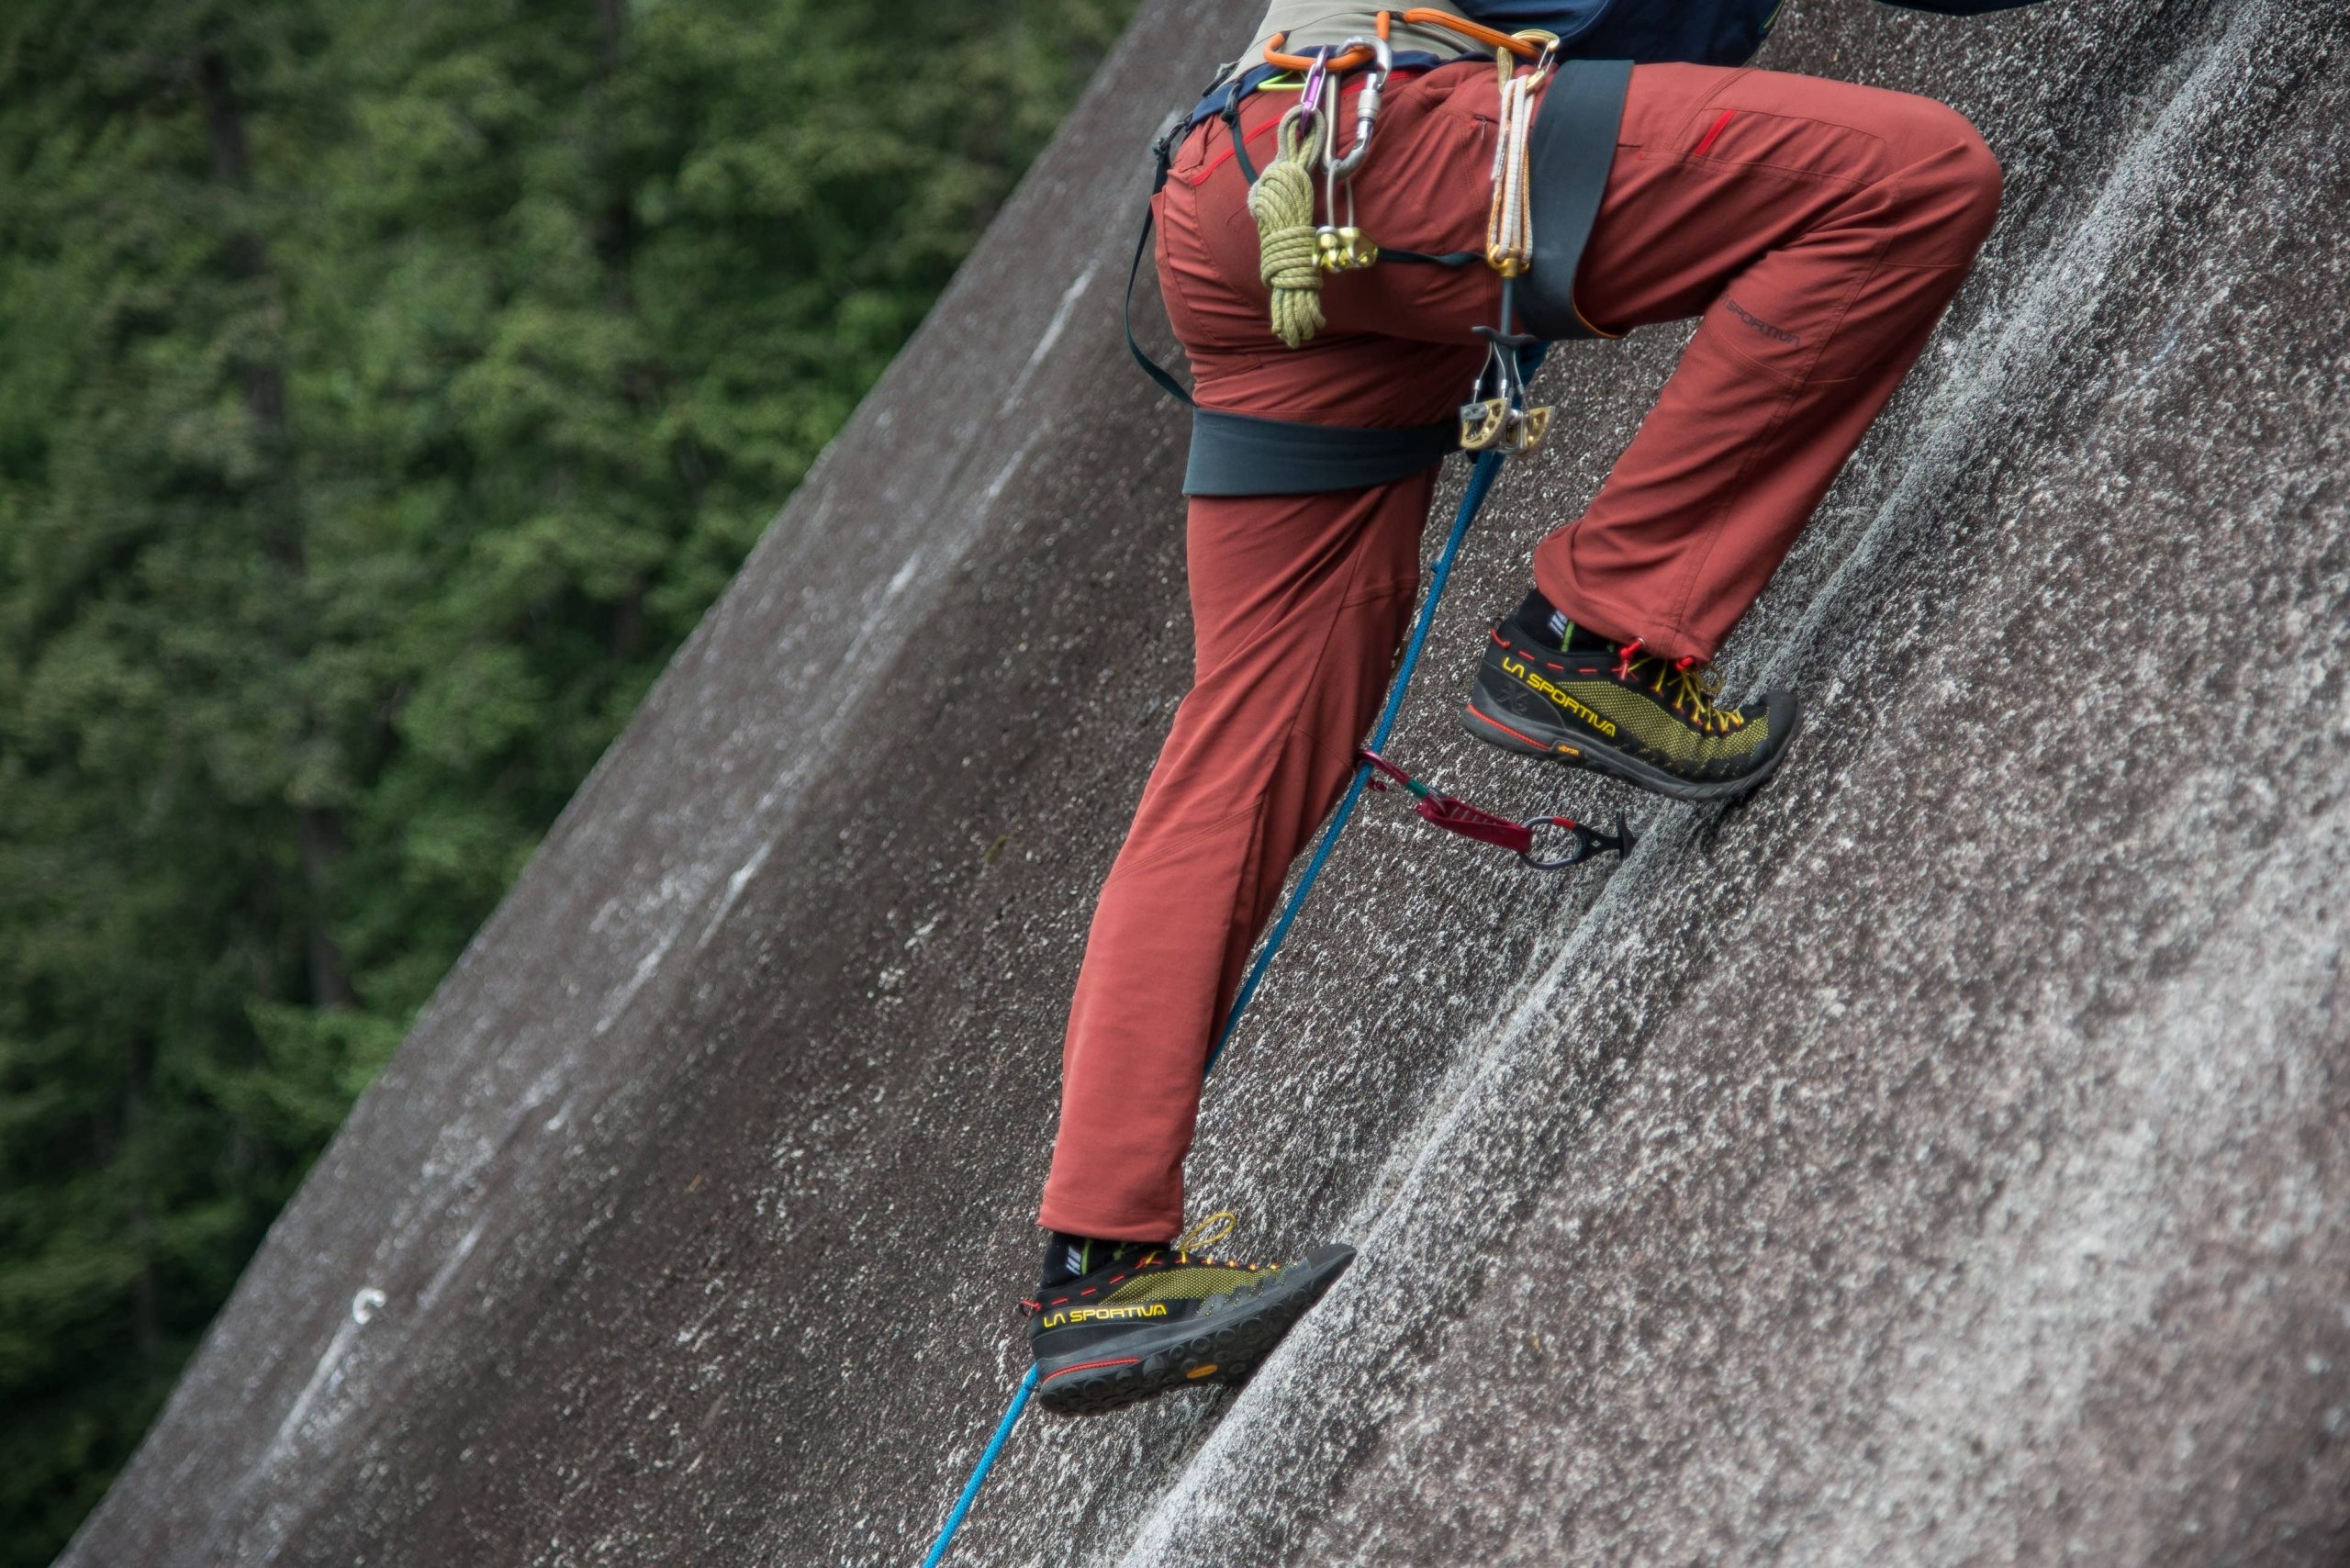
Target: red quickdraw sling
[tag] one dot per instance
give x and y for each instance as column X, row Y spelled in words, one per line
column 1454, row 814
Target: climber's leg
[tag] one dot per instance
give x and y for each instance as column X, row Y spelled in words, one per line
column 1819, row 229
column 1298, row 604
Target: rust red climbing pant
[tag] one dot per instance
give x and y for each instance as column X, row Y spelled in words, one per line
column 1818, row 230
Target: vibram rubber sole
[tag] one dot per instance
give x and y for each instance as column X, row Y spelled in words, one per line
column 1223, row 1346
column 1509, row 731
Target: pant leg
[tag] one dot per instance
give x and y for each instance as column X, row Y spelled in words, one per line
column 1820, row 228
column 1298, row 604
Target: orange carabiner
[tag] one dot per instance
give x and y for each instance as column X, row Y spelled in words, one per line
column 1353, row 60
column 1418, row 17
column 1492, row 37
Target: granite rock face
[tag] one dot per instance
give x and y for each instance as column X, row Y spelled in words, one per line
column 1941, row 1157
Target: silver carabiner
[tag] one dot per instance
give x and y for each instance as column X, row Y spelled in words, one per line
column 1366, row 107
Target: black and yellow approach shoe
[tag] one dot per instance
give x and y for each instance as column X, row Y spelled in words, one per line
column 1647, row 720
column 1169, row 1318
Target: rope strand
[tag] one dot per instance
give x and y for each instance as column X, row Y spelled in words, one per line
column 1282, row 201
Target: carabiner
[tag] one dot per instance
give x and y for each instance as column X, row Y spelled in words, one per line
column 1366, row 105
column 1589, row 842
column 1311, row 99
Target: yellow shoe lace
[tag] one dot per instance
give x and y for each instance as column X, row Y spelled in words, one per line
column 1688, row 685
column 1207, row 1232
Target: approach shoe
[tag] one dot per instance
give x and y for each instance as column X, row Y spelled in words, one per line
column 1648, row 720
column 1169, row 1318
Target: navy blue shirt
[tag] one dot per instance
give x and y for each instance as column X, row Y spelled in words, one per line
column 1701, row 32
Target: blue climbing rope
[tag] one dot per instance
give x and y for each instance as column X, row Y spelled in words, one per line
column 979, row 1471
column 1472, row 501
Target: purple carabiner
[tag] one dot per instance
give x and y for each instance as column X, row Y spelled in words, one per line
column 1311, row 98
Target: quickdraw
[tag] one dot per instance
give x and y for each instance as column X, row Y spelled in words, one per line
column 1454, row 814
column 1499, row 419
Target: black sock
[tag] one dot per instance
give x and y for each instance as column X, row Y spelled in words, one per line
column 1067, row 1257
column 1542, row 621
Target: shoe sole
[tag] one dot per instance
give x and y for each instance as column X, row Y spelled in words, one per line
column 1223, row 1347
column 1600, row 757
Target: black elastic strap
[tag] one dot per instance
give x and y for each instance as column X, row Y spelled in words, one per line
column 1572, row 150
column 1234, row 454
column 1231, row 112
column 1151, row 367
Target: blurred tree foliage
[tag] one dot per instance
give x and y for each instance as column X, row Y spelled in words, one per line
column 388, row 386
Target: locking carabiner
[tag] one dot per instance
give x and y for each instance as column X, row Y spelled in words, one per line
column 1343, row 247
column 1366, row 105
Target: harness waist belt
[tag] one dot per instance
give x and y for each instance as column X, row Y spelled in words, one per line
column 1235, row 454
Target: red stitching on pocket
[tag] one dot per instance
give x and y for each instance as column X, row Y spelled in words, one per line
column 1221, row 159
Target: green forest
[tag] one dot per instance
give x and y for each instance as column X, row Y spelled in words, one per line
column 388, row 387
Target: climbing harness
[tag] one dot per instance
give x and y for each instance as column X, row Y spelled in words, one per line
column 1509, row 223
column 1566, row 151
column 1243, row 455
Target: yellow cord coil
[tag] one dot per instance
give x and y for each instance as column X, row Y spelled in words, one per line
column 1282, row 201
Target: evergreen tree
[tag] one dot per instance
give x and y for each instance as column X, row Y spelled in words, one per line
column 390, row 386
